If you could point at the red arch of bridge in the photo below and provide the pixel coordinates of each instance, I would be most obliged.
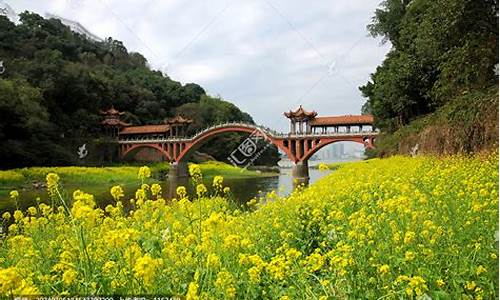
(129, 149)
(206, 136)
(297, 148)
(367, 141)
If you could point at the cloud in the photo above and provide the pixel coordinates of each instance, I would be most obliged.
(266, 56)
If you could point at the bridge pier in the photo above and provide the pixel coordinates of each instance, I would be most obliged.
(174, 183)
(178, 170)
(300, 173)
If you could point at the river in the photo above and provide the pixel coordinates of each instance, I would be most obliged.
(242, 189)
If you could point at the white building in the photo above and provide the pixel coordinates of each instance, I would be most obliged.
(75, 26)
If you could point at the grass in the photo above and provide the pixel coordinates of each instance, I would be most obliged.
(97, 179)
(213, 168)
(11, 179)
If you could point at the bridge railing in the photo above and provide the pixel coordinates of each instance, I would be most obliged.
(264, 129)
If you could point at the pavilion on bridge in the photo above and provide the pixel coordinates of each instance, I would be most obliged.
(178, 125)
(112, 123)
(304, 122)
(171, 128)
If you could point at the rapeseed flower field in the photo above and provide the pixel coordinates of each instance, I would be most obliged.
(402, 227)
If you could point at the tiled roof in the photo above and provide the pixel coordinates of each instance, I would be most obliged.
(178, 119)
(111, 111)
(145, 129)
(343, 120)
(300, 113)
(114, 122)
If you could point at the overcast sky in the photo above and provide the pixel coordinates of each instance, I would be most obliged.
(266, 56)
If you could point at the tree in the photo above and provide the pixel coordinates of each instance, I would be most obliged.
(24, 123)
(387, 20)
(59, 80)
(441, 49)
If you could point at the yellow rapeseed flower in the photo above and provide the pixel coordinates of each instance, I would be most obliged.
(181, 191)
(231, 241)
(144, 172)
(293, 254)
(470, 285)
(480, 270)
(254, 274)
(195, 172)
(384, 269)
(315, 261)
(324, 282)
(145, 268)
(223, 278)
(140, 195)
(409, 255)
(417, 285)
(201, 190)
(9, 280)
(409, 237)
(14, 194)
(52, 183)
(109, 267)
(440, 282)
(18, 215)
(117, 192)
(323, 167)
(69, 276)
(376, 217)
(32, 210)
(156, 189)
(192, 293)
(6, 216)
(217, 182)
(213, 261)
(12, 229)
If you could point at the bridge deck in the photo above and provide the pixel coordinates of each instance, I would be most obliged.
(263, 131)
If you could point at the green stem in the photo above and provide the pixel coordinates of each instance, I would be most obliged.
(64, 203)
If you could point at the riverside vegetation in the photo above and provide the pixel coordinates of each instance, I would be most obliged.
(438, 85)
(386, 228)
(97, 179)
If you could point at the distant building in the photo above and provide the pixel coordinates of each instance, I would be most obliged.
(331, 152)
(6, 10)
(341, 150)
(76, 27)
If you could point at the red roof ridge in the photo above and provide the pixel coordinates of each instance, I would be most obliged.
(343, 120)
(137, 129)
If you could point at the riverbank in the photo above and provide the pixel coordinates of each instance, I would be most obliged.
(400, 227)
(30, 182)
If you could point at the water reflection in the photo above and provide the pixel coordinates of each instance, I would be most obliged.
(242, 189)
(170, 187)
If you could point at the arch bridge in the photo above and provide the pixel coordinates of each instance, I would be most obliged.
(298, 147)
(308, 134)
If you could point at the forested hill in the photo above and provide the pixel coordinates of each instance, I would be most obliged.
(438, 86)
(55, 81)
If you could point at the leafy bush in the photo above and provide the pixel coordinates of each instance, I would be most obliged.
(466, 124)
